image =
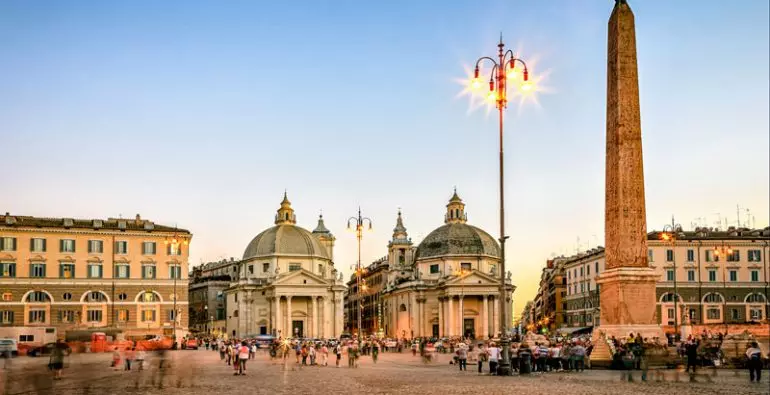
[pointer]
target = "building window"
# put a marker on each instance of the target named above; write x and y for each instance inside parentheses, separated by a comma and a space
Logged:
(66, 316)
(734, 314)
(755, 255)
(754, 275)
(148, 315)
(691, 275)
(581, 271)
(122, 315)
(66, 245)
(8, 244)
(755, 314)
(251, 269)
(175, 272)
(7, 269)
(149, 297)
(37, 270)
(713, 298)
(6, 317)
(220, 314)
(713, 313)
(96, 296)
(265, 267)
(690, 255)
(755, 298)
(95, 246)
(148, 248)
(734, 257)
(293, 267)
(26, 338)
(67, 270)
(588, 270)
(171, 315)
(709, 255)
(95, 271)
(7, 297)
(465, 266)
(67, 296)
(37, 245)
(669, 255)
(94, 315)
(148, 271)
(122, 270)
(733, 275)
(669, 298)
(669, 275)
(36, 316)
(121, 247)
(712, 275)
(582, 287)
(650, 255)
(434, 268)
(174, 249)
(122, 296)
(670, 315)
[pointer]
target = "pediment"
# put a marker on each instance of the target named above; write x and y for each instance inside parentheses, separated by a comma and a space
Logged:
(65, 259)
(148, 261)
(122, 260)
(473, 278)
(300, 277)
(94, 259)
(7, 257)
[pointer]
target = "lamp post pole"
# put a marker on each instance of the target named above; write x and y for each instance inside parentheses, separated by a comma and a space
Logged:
(175, 244)
(725, 251)
(503, 69)
(359, 223)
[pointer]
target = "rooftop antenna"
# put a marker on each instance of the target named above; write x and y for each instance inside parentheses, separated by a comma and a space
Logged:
(738, 213)
(719, 221)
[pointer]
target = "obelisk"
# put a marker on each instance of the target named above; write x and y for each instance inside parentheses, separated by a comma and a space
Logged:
(627, 286)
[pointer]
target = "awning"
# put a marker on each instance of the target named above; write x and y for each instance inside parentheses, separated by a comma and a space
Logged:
(575, 330)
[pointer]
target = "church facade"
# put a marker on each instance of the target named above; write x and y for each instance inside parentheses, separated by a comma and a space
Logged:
(447, 286)
(286, 284)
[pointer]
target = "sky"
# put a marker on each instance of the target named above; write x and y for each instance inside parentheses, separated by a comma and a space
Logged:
(201, 113)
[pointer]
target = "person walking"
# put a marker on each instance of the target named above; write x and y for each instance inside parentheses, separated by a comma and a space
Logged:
(375, 351)
(338, 353)
(129, 356)
(243, 356)
(691, 351)
(312, 353)
(462, 357)
(56, 361)
(494, 356)
(324, 355)
(482, 357)
(754, 355)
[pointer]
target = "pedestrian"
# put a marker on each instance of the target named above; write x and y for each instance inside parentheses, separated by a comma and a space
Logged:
(754, 355)
(56, 361)
(482, 357)
(243, 356)
(462, 357)
(579, 353)
(494, 356)
(375, 351)
(222, 350)
(304, 353)
(253, 350)
(140, 358)
(691, 351)
(129, 356)
(338, 352)
(115, 359)
(311, 354)
(324, 355)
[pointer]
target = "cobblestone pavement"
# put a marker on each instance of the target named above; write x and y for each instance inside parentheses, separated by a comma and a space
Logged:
(201, 372)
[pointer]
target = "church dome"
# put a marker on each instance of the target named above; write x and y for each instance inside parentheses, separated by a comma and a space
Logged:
(456, 237)
(285, 239)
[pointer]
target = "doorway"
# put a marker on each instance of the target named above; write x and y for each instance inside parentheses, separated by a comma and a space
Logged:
(469, 328)
(297, 328)
(435, 330)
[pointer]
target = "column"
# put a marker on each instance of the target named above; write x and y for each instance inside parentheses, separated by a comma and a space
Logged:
(322, 319)
(496, 315)
(440, 317)
(460, 315)
(289, 330)
(314, 326)
(451, 321)
(485, 319)
(411, 331)
(277, 322)
(338, 328)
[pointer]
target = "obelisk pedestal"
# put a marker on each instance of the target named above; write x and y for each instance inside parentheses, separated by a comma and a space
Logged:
(627, 286)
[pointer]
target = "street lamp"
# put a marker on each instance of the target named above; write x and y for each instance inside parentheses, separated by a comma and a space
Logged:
(359, 223)
(503, 70)
(175, 244)
(726, 251)
(669, 235)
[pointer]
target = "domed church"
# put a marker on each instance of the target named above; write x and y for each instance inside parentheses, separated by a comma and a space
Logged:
(286, 284)
(447, 286)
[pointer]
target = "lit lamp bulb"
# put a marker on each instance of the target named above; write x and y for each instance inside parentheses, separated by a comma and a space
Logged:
(526, 86)
(492, 96)
(512, 74)
(475, 84)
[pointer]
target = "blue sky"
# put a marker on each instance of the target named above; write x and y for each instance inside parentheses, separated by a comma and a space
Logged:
(201, 113)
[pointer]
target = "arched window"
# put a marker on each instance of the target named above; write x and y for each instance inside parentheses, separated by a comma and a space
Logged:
(755, 298)
(402, 307)
(95, 297)
(149, 297)
(38, 297)
(235, 314)
(668, 297)
(713, 298)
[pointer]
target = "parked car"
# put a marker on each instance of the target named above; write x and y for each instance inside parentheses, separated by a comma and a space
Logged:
(9, 347)
(46, 349)
(191, 344)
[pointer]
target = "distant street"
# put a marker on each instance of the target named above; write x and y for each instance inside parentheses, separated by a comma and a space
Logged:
(202, 372)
